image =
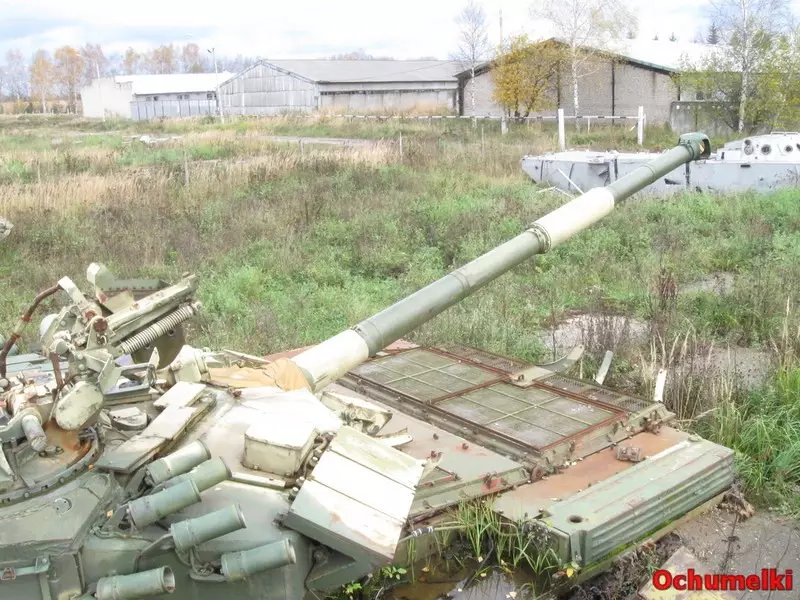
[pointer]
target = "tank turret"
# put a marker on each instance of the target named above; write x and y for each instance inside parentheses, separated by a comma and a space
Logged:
(334, 357)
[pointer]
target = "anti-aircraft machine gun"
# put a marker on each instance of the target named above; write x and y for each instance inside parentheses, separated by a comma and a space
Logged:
(134, 465)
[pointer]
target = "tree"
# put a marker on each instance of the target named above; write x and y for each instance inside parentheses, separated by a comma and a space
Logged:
(131, 62)
(192, 59)
(67, 72)
(473, 42)
(713, 34)
(41, 76)
(94, 60)
(751, 27)
(673, 37)
(16, 74)
(162, 60)
(655, 38)
(525, 74)
(585, 26)
(771, 92)
(359, 54)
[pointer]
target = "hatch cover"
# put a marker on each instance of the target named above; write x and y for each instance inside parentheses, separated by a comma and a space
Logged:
(476, 391)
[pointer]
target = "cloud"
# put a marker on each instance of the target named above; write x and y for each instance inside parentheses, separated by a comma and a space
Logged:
(298, 29)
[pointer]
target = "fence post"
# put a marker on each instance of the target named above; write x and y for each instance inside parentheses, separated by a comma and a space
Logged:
(400, 146)
(503, 125)
(640, 127)
(562, 135)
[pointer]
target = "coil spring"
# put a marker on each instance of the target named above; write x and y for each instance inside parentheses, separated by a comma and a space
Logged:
(157, 329)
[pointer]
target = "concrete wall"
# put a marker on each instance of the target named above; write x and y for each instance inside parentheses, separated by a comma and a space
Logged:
(103, 95)
(143, 110)
(604, 88)
(264, 90)
(388, 100)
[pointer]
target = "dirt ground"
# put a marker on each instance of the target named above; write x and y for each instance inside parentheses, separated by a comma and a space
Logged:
(726, 545)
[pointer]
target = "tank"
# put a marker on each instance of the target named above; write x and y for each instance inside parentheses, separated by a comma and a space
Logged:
(134, 465)
(760, 163)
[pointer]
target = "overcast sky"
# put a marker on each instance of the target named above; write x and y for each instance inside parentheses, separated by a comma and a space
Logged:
(291, 28)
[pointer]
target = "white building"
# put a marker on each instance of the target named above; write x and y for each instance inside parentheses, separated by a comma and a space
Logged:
(142, 97)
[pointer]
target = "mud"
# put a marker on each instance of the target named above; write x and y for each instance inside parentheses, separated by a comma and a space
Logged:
(595, 331)
(728, 545)
(716, 283)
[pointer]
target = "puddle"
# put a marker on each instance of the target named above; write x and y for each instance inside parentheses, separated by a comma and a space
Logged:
(717, 283)
(497, 585)
(608, 332)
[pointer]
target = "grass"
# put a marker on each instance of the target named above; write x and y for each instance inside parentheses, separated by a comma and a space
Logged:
(292, 247)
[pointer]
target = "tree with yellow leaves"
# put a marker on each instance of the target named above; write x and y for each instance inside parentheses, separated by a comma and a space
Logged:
(68, 70)
(41, 77)
(525, 73)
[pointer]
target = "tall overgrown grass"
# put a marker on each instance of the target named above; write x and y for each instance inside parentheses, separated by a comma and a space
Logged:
(292, 245)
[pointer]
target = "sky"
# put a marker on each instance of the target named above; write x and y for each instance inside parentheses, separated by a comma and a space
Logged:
(294, 29)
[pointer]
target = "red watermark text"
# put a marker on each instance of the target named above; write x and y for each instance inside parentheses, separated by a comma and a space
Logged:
(767, 579)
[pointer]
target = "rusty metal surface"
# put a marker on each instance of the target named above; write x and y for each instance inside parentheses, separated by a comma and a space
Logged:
(480, 396)
(461, 465)
(531, 500)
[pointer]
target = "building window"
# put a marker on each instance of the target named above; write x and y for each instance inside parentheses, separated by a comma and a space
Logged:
(211, 95)
(154, 98)
(699, 96)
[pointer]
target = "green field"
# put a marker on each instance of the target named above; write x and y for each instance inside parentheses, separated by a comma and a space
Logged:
(293, 244)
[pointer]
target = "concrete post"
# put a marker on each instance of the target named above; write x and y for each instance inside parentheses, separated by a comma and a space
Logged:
(640, 126)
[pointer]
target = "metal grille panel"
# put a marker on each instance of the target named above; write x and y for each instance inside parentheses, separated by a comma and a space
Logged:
(536, 417)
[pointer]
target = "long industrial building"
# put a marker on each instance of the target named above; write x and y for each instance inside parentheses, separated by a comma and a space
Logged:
(144, 97)
(342, 86)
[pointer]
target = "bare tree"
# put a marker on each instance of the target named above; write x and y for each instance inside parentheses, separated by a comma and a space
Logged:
(191, 59)
(95, 60)
(473, 42)
(585, 26)
(16, 74)
(749, 26)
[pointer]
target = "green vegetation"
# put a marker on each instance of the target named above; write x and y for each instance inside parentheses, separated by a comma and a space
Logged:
(293, 246)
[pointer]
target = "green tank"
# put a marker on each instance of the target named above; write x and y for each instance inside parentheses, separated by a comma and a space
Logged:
(134, 465)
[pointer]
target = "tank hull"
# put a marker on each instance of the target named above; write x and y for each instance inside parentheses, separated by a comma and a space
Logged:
(729, 170)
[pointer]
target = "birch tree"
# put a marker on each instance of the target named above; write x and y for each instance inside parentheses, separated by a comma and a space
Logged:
(473, 42)
(750, 27)
(585, 27)
(67, 70)
(41, 74)
(16, 75)
(131, 62)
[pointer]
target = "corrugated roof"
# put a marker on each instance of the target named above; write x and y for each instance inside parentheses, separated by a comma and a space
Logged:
(357, 71)
(653, 54)
(179, 83)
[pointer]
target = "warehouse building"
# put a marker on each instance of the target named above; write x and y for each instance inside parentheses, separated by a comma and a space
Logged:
(143, 97)
(612, 83)
(342, 86)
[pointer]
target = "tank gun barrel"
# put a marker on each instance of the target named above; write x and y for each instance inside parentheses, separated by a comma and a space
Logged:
(332, 358)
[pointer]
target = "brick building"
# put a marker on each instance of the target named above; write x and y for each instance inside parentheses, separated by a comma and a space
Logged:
(611, 83)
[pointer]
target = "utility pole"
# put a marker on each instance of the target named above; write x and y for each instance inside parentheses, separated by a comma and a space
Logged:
(501, 28)
(216, 76)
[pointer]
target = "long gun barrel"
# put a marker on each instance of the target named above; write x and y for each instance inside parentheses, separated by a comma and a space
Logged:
(332, 358)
